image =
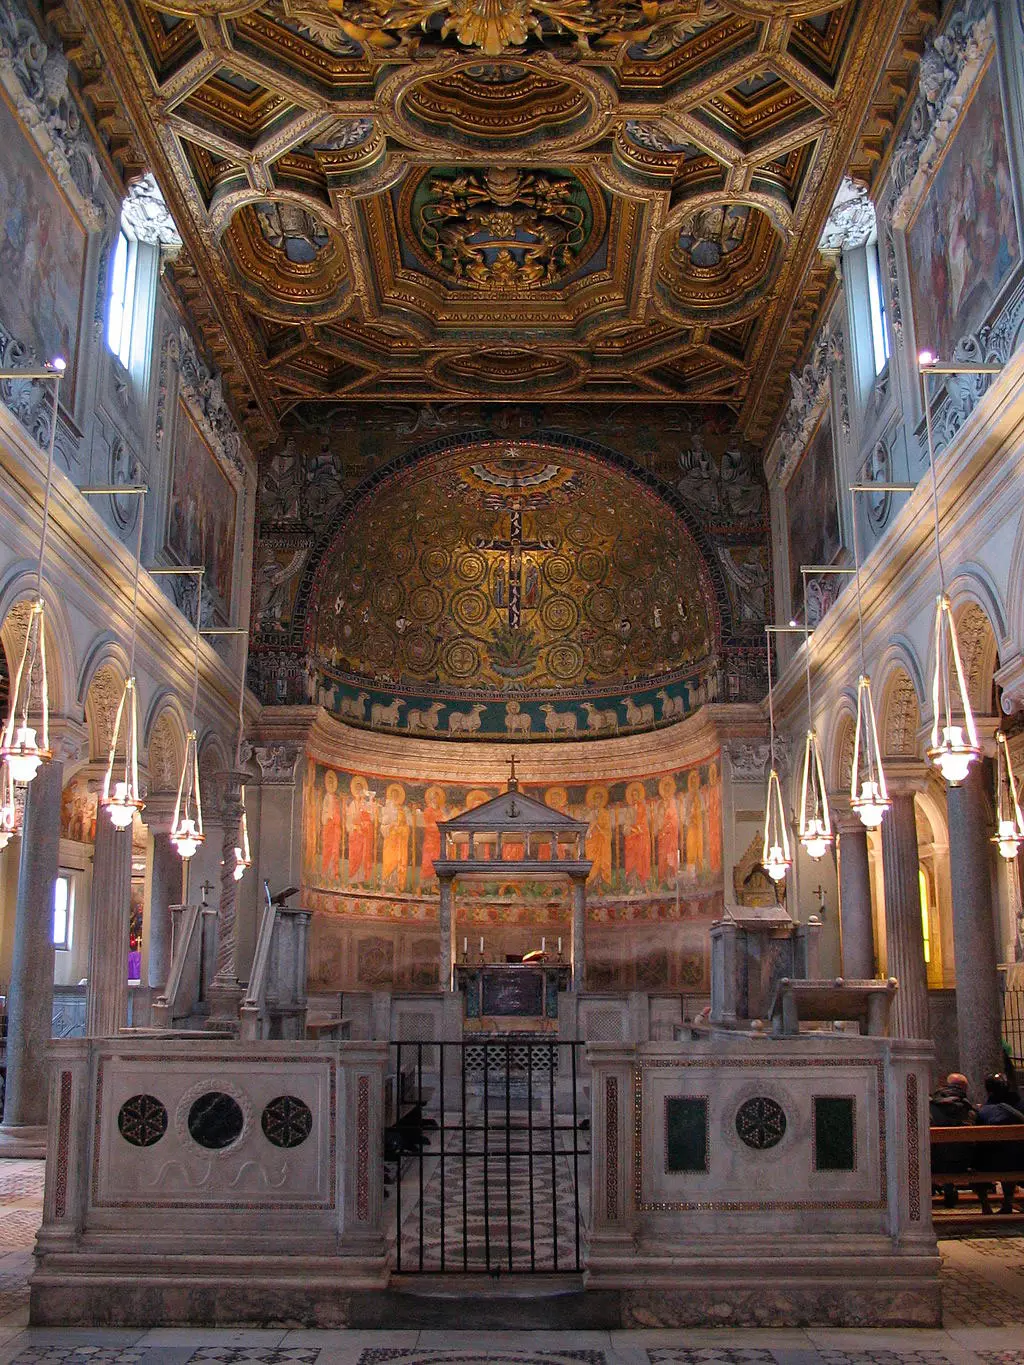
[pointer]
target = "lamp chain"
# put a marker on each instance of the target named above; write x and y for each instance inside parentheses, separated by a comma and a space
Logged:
(49, 482)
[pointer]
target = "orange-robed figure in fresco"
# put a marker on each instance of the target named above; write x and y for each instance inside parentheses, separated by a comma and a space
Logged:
(668, 831)
(433, 814)
(638, 835)
(360, 832)
(599, 835)
(694, 823)
(330, 828)
(394, 828)
(713, 797)
(310, 818)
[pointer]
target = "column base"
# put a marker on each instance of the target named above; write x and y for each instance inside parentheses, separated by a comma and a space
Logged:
(22, 1141)
(225, 1002)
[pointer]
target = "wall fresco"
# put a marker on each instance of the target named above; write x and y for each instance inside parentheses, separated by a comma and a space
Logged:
(964, 239)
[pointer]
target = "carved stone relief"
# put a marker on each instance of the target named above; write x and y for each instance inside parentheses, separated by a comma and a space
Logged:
(977, 654)
(101, 703)
(902, 718)
(277, 763)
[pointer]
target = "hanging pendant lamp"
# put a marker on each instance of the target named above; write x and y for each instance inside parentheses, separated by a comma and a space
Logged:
(187, 827)
(1009, 833)
(776, 856)
(869, 795)
(954, 747)
(24, 746)
(8, 809)
(121, 797)
(815, 829)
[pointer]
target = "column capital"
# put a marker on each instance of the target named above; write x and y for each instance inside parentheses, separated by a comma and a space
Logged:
(905, 776)
(278, 762)
(158, 813)
(845, 819)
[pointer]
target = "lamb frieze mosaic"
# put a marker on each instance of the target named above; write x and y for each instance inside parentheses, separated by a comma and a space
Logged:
(443, 199)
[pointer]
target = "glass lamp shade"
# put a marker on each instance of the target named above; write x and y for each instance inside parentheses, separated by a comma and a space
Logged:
(1007, 839)
(121, 806)
(870, 805)
(954, 755)
(775, 852)
(186, 838)
(24, 755)
(816, 839)
(776, 864)
(238, 871)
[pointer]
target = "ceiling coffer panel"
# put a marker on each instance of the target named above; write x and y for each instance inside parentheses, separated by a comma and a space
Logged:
(441, 198)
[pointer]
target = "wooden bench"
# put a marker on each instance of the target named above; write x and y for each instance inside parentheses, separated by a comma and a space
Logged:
(973, 1136)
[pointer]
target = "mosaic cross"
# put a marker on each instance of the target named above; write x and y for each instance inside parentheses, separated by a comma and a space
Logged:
(513, 545)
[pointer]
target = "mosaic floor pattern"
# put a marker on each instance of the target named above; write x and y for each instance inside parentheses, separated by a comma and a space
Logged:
(516, 1212)
(983, 1296)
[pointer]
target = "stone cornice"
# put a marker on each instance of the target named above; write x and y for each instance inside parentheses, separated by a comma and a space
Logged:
(330, 741)
(100, 566)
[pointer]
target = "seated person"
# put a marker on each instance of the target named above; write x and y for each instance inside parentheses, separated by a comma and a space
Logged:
(999, 1108)
(949, 1107)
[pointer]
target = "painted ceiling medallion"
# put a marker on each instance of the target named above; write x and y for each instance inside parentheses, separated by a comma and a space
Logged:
(719, 260)
(503, 229)
(287, 261)
(504, 370)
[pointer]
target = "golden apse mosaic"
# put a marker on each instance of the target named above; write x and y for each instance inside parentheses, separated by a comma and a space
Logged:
(418, 199)
(513, 592)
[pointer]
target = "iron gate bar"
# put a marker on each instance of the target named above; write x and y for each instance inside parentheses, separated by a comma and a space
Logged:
(409, 1142)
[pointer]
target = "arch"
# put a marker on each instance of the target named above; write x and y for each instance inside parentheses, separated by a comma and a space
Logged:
(979, 654)
(838, 750)
(973, 583)
(17, 591)
(899, 714)
(102, 697)
(165, 732)
(213, 760)
(1015, 591)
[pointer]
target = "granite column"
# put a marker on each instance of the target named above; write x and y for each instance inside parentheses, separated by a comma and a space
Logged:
(446, 929)
(106, 1003)
(165, 886)
(855, 915)
(579, 928)
(225, 992)
(978, 995)
(30, 996)
(903, 936)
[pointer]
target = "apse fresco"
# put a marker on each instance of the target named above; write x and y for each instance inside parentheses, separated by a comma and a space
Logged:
(372, 840)
(517, 591)
(964, 239)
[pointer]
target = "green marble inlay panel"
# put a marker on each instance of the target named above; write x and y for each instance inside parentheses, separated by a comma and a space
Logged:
(835, 1147)
(686, 1133)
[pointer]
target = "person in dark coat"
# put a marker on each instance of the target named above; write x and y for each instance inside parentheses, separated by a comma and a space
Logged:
(999, 1107)
(949, 1107)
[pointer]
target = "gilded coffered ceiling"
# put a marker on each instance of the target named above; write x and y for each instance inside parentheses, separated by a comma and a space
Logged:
(423, 199)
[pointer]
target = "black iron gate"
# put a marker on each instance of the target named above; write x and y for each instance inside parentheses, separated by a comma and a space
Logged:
(487, 1156)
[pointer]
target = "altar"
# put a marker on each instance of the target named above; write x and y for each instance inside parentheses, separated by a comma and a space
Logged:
(513, 991)
(530, 842)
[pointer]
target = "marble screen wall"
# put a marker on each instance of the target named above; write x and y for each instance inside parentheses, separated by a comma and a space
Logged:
(368, 847)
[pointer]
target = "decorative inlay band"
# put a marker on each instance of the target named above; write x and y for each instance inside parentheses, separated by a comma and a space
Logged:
(913, 1151)
(611, 1128)
(60, 1198)
(363, 1148)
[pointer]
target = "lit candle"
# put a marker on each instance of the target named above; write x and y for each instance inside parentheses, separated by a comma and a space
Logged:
(465, 944)
(481, 945)
(559, 945)
(543, 941)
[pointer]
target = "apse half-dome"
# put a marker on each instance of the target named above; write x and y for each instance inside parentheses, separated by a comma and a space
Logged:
(516, 591)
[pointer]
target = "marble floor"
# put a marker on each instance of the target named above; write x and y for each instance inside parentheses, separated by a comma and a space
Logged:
(983, 1297)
